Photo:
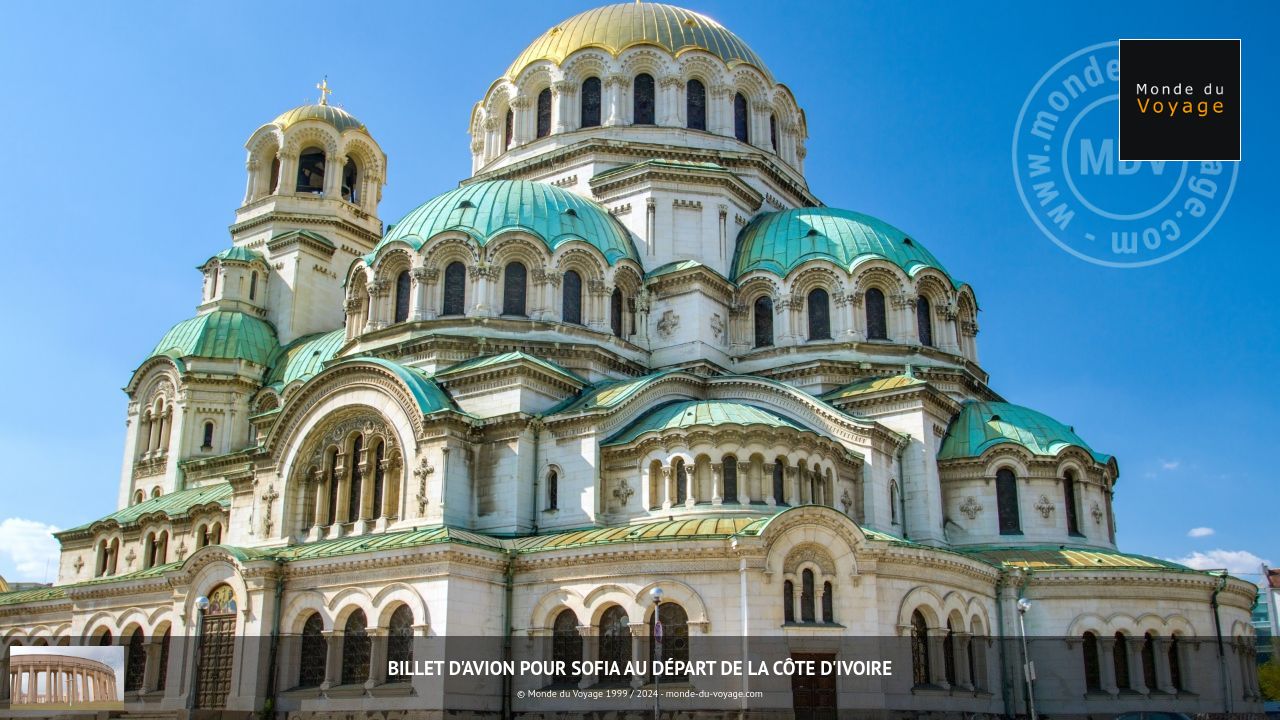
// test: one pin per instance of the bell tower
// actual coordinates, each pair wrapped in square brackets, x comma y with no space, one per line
[315,178]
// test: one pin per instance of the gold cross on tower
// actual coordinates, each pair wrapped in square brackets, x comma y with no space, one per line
[323,87]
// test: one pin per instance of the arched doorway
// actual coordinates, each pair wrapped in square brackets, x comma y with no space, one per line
[217,648]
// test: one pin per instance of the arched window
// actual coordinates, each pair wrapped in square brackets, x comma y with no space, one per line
[1149,661]
[642,100]
[730,473]
[113,557]
[828,604]
[893,502]
[553,490]
[215,534]
[104,640]
[566,644]
[779,489]
[877,328]
[379,479]
[695,105]
[513,285]
[357,476]
[924,321]
[682,482]
[313,651]
[806,596]
[138,497]
[213,287]
[615,640]
[155,492]
[590,113]
[1092,672]
[1175,665]
[1007,502]
[162,672]
[615,312]
[949,655]
[544,113]
[672,638]
[402,296]
[350,186]
[333,486]
[206,442]
[1069,499]
[1120,659]
[571,299]
[355,649]
[788,602]
[310,172]
[919,649]
[740,120]
[275,175]
[507,135]
[773,132]
[135,663]
[400,640]
[455,289]
[819,304]
[253,286]
[762,314]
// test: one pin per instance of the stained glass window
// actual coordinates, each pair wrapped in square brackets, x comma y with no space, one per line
[740,119]
[572,297]
[673,640]
[513,286]
[455,289]
[615,639]
[566,644]
[1092,672]
[763,316]
[135,662]
[544,113]
[313,651]
[1007,502]
[553,490]
[355,649]
[615,312]
[402,296]
[773,132]
[730,472]
[788,602]
[779,490]
[162,672]
[1069,498]
[1175,664]
[877,328]
[590,115]
[949,655]
[506,129]
[400,640]
[357,476]
[642,100]
[819,304]
[924,321]
[1120,659]
[919,649]
[806,596]
[379,479]
[333,486]
[682,482]
[696,105]
[828,603]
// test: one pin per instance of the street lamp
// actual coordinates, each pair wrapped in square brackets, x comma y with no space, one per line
[202,604]
[656,596]
[1028,669]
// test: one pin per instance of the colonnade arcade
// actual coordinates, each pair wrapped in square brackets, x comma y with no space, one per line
[352,476]
[61,679]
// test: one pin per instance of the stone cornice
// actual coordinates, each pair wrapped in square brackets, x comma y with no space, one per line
[306,220]
[610,186]
[698,276]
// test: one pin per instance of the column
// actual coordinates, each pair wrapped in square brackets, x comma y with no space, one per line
[639,633]
[1164,680]
[333,166]
[423,279]
[669,101]
[288,181]
[717,483]
[720,110]
[964,674]
[938,657]
[690,484]
[520,106]
[792,485]
[345,462]
[667,479]
[766,485]
[1106,648]
[590,652]
[333,659]
[1137,679]
[561,93]
[378,655]
[797,590]
[613,92]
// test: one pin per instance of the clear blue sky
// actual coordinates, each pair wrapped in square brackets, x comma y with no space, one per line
[125,161]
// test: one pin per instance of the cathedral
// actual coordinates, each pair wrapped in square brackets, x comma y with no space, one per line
[629,391]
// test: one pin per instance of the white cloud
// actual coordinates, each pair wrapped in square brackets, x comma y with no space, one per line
[31,548]
[1236,562]
[1170,464]
[1199,532]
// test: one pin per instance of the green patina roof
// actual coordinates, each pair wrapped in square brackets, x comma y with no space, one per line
[779,242]
[983,425]
[482,210]
[223,334]
[1062,557]
[503,358]
[674,267]
[32,595]
[236,254]
[385,541]
[702,412]
[429,396]
[873,385]
[304,357]
[606,394]
[691,529]
[175,505]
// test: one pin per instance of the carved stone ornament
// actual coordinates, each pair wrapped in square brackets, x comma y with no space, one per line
[79,563]
[717,325]
[623,492]
[1096,511]
[971,507]
[808,553]
[182,551]
[668,323]
[1045,506]
[422,472]
[846,501]
[130,558]
[268,498]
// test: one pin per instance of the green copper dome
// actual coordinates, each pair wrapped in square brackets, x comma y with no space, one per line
[485,209]
[983,425]
[702,412]
[306,356]
[779,242]
[221,334]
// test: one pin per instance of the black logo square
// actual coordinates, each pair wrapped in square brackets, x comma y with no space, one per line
[1179,100]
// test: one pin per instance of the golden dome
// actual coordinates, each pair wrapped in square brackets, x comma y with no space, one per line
[615,28]
[335,116]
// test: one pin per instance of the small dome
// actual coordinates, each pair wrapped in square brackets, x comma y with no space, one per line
[485,209]
[982,425]
[779,242]
[614,28]
[690,413]
[304,357]
[335,116]
[221,334]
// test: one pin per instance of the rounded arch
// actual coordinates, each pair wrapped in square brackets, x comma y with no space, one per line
[599,600]
[675,591]
[393,596]
[548,606]
[300,606]
[924,600]
[347,601]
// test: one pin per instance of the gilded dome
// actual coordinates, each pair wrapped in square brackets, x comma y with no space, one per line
[335,116]
[614,28]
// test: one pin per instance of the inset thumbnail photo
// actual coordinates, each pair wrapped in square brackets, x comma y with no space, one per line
[66,678]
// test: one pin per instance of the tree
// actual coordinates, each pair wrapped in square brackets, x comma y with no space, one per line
[1269,679]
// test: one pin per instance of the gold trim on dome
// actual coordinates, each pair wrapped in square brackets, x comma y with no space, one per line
[615,28]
